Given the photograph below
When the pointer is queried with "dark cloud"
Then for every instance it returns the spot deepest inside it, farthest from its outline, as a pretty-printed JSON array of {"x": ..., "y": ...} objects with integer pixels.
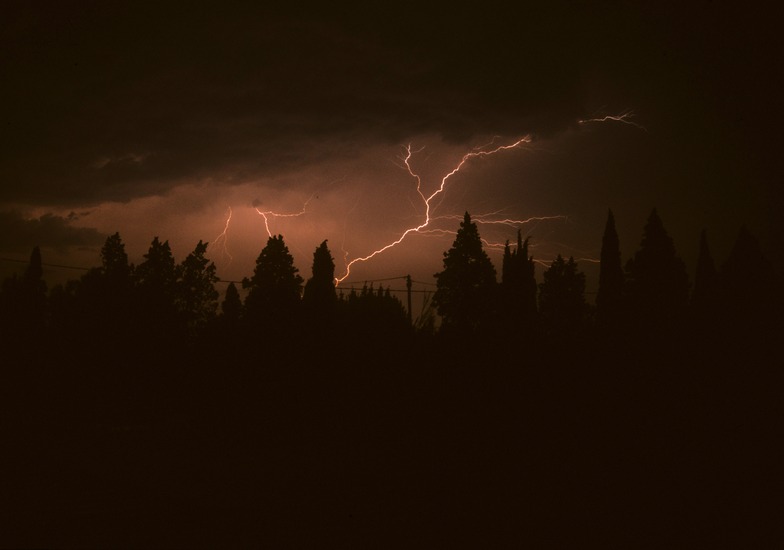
[
  {"x": 116, "y": 102},
  {"x": 111, "y": 102},
  {"x": 18, "y": 235}
]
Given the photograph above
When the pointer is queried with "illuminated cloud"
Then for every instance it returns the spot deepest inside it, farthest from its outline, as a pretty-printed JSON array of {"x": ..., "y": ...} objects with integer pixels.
[
  {"x": 18, "y": 234},
  {"x": 159, "y": 119}
]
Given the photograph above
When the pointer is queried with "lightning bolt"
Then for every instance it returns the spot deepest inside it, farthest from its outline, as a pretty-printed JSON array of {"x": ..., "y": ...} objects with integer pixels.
[
  {"x": 223, "y": 239},
  {"x": 427, "y": 204},
  {"x": 428, "y": 199},
  {"x": 486, "y": 219},
  {"x": 625, "y": 118},
  {"x": 266, "y": 215}
]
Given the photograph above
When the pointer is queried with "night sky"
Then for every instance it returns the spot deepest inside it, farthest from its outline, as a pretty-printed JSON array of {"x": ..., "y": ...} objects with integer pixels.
[{"x": 157, "y": 120}]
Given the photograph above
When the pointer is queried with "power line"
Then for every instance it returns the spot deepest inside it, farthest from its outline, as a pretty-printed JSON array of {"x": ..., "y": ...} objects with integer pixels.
[
  {"x": 387, "y": 279},
  {"x": 349, "y": 285},
  {"x": 374, "y": 280},
  {"x": 354, "y": 289},
  {"x": 78, "y": 268}
]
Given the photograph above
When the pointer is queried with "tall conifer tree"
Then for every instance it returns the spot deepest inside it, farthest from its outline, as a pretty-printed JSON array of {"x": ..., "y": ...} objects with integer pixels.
[
  {"x": 658, "y": 285},
  {"x": 562, "y": 296},
  {"x": 465, "y": 293},
  {"x": 275, "y": 288},
  {"x": 703, "y": 294},
  {"x": 610, "y": 295},
  {"x": 319, "y": 291},
  {"x": 518, "y": 283}
]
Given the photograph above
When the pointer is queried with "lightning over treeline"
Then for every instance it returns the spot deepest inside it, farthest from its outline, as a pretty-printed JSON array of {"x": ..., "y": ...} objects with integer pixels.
[
  {"x": 193, "y": 280},
  {"x": 427, "y": 207},
  {"x": 429, "y": 194},
  {"x": 131, "y": 359},
  {"x": 386, "y": 274}
]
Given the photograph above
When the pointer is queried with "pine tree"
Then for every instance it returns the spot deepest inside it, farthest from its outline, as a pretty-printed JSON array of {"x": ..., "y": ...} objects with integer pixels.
[
  {"x": 156, "y": 274},
  {"x": 562, "y": 296},
  {"x": 658, "y": 285},
  {"x": 319, "y": 294},
  {"x": 274, "y": 289},
  {"x": 518, "y": 284},
  {"x": 748, "y": 290},
  {"x": 609, "y": 298},
  {"x": 465, "y": 293},
  {"x": 114, "y": 260},
  {"x": 508, "y": 268},
  {"x": 34, "y": 271},
  {"x": 231, "y": 308},
  {"x": 375, "y": 315},
  {"x": 23, "y": 301},
  {"x": 106, "y": 303},
  {"x": 155, "y": 287},
  {"x": 33, "y": 315},
  {"x": 197, "y": 299},
  {"x": 527, "y": 277},
  {"x": 704, "y": 294}
]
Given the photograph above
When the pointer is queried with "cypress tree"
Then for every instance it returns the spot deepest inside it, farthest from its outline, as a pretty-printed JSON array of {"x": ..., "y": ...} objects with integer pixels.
[
  {"x": 231, "y": 308},
  {"x": 610, "y": 295},
  {"x": 703, "y": 295},
  {"x": 466, "y": 287},
  {"x": 319, "y": 294},
  {"x": 562, "y": 297},
  {"x": 274, "y": 290},
  {"x": 658, "y": 285},
  {"x": 518, "y": 284}
]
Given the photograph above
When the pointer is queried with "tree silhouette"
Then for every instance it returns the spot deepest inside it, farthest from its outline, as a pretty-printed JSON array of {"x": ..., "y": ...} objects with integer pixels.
[
  {"x": 658, "y": 285},
  {"x": 114, "y": 260},
  {"x": 610, "y": 295},
  {"x": 274, "y": 289},
  {"x": 704, "y": 294},
  {"x": 155, "y": 280},
  {"x": 562, "y": 297},
  {"x": 23, "y": 301},
  {"x": 197, "y": 299},
  {"x": 105, "y": 295},
  {"x": 518, "y": 285},
  {"x": 375, "y": 315},
  {"x": 34, "y": 291},
  {"x": 231, "y": 308},
  {"x": 63, "y": 307},
  {"x": 111, "y": 378},
  {"x": 157, "y": 272},
  {"x": 319, "y": 295},
  {"x": 466, "y": 287},
  {"x": 748, "y": 291}
]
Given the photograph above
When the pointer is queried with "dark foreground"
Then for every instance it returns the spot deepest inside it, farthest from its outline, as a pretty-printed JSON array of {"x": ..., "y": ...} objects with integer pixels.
[{"x": 384, "y": 445}]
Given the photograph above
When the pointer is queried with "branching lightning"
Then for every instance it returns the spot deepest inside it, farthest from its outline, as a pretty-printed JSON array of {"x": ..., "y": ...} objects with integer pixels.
[
  {"x": 486, "y": 219},
  {"x": 223, "y": 239},
  {"x": 273, "y": 214},
  {"x": 427, "y": 200},
  {"x": 625, "y": 118}
]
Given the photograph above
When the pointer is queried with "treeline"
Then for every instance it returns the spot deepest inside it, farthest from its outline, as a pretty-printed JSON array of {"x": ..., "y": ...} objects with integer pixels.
[
  {"x": 156, "y": 332},
  {"x": 137, "y": 405},
  {"x": 649, "y": 297},
  {"x": 165, "y": 302},
  {"x": 161, "y": 299}
]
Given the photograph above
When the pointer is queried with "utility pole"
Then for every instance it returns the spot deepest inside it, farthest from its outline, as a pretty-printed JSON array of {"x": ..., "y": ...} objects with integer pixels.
[{"x": 408, "y": 292}]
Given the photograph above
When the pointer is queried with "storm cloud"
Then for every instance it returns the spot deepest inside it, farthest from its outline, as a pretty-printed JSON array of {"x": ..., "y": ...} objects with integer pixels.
[
  {"x": 19, "y": 234},
  {"x": 127, "y": 104},
  {"x": 112, "y": 103}
]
